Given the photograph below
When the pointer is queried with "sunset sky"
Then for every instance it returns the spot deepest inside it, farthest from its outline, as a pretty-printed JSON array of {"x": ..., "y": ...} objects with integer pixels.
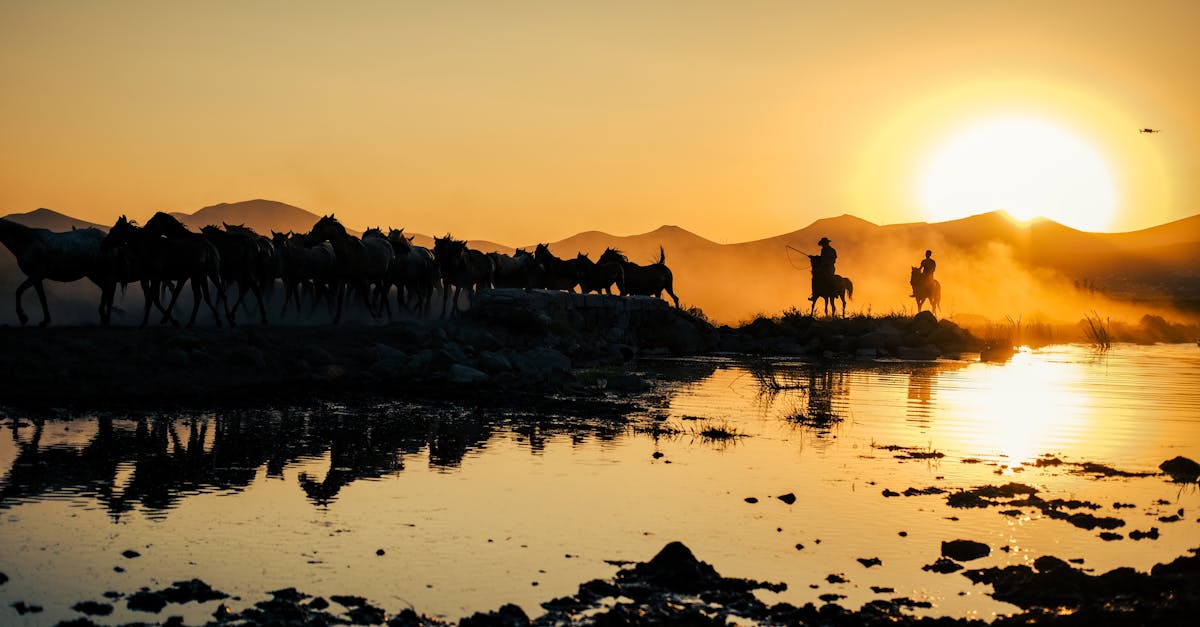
[{"x": 523, "y": 121}]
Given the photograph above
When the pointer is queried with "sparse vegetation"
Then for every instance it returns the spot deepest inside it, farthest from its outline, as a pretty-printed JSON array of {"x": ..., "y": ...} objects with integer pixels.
[
  {"x": 1096, "y": 331},
  {"x": 717, "y": 432}
]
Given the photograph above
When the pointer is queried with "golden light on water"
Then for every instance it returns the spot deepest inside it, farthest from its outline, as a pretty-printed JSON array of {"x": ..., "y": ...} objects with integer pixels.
[
  {"x": 1027, "y": 167},
  {"x": 1022, "y": 409}
]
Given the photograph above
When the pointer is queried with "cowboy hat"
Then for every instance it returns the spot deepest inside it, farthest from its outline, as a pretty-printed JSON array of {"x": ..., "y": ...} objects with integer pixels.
[{"x": 823, "y": 241}]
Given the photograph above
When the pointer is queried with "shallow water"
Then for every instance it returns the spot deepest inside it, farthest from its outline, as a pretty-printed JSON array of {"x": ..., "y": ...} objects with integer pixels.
[{"x": 474, "y": 509}]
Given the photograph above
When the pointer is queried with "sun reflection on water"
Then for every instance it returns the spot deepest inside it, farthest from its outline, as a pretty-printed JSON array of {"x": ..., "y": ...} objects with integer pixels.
[{"x": 1017, "y": 410}]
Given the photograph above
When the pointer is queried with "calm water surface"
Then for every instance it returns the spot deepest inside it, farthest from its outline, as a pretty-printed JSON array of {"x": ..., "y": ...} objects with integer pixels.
[{"x": 474, "y": 509}]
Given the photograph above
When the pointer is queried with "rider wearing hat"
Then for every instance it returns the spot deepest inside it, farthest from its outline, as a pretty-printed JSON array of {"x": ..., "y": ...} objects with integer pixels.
[{"x": 828, "y": 259}]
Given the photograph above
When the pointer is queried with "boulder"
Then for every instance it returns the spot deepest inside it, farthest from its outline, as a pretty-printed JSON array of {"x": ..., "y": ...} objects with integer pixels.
[{"x": 460, "y": 373}]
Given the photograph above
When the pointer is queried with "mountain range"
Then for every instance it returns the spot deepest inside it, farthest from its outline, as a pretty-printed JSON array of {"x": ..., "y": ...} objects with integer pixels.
[{"x": 988, "y": 263}]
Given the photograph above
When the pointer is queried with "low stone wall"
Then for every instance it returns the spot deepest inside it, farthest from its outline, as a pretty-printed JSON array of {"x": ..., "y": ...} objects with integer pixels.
[{"x": 641, "y": 322}]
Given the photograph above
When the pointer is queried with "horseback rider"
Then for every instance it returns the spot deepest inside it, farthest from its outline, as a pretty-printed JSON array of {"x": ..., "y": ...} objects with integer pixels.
[
  {"x": 928, "y": 266},
  {"x": 824, "y": 270}
]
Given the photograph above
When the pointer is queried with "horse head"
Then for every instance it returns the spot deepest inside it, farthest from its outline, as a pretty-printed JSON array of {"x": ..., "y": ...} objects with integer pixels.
[
  {"x": 583, "y": 260},
  {"x": 165, "y": 224},
  {"x": 613, "y": 255},
  {"x": 327, "y": 228},
  {"x": 118, "y": 235},
  {"x": 915, "y": 278}
]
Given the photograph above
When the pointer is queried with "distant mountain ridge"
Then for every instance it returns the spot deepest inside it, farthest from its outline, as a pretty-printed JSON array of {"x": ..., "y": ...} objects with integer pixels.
[{"x": 987, "y": 261}]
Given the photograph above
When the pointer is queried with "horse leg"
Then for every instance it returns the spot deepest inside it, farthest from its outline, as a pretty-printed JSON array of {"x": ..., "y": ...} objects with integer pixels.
[
  {"x": 196, "y": 296},
  {"x": 208, "y": 300},
  {"x": 149, "y": 291},
  {"x": 671, "y": 291},
  {"x": 41, "y": 293},
  {"x": 341, "y": 295},
  {"x": 169, "y": 313},
  {"x": 26, "y": 284},
  {"x": 259, "y": 298}
]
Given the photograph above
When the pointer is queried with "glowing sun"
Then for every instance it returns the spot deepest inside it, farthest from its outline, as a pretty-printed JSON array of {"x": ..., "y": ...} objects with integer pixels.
[{"x": 1027, "y": 167}]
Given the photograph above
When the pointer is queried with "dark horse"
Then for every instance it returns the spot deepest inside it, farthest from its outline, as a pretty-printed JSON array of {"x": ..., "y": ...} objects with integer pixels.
[
  {"x": 829, "y": 288},
  {"x": 415, "y": 273},
  {"x": 241, "y": 264},
  {"x": 352, "y": 261},
  {"x": 70, "y": 256},
  {"x": 649, "y": 280},
  {"x": 925, "y": 289},
  {"x": 597, "y": 277},
  {"x": 461, "y": 268},
  {"x": 556, "y": 274},
  {"x": 162, "y": 260}
]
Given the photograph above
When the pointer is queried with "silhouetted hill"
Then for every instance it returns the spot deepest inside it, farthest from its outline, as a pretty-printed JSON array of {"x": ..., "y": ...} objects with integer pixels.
[
  {"x": 261, "y": 215},
  {"x": 52, "y": 220}
]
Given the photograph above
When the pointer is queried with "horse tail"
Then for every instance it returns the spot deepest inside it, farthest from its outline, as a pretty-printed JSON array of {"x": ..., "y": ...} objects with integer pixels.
[
  {"x": 662, "y": 254},
  {"x": 850, "y": 289}
]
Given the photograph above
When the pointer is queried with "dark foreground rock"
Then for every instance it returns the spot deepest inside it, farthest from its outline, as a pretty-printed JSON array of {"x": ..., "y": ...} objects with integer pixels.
[{"x": 676, "y": 588}]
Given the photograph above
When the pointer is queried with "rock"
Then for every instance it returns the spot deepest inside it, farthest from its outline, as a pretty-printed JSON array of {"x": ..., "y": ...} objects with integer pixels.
[
  {"x": 390, "y": 368},
  {"x": 943, "y": 566},
  {"x": 836, "y": 578},
  {"x": 247, "y": 356},
  {"x": 924, "y": 323},
  {"x": 541, "y": 363},
  {"x": 383, "y": 352},
  {"x": 465, "y": 374},
  {"x": 380, "y": 552},
  {"x": 146, "y": 601},
  {"x": 92, "y": 608},
  {"x": 751, "y": 500},
  {"x": 677, "y": 569},
  {"x": 626, "y": 383},
  {"x": 1181, "y": 469},
  {"x": 492, "y": 362},
  {"x": 316, "y": 356},
  {"x": 22, "y": 608},
  {"x": 1152, "y": 534},
  {"x": 890, "y": 493},
  {"x": 868, "y": 562},
  {"x": 1109, "y": 536},
  {"x": 3, "y": 579},
  {"x": 965, "y": 550},
  {"x": 508, "y": 615},
  {"x": 130, "y": 554},
  {"x": 788, "y": 498},
  {"x": 924, "y": 352}
]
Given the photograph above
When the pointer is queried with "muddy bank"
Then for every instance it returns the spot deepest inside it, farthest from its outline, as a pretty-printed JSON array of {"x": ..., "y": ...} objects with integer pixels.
[
  {"x": 676, "y": 588},
  {"x": 525, "y": 343}
]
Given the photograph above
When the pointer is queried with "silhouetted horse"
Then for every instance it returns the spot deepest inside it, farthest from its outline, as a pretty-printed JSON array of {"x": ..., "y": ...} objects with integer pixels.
[
  {"x": 353, "y": 262},
  {"x": 515, "y": 270},
  {"x": 462, "y": 268},
  {"x": 381, "y": 257},
  {"x": 266, "y": 260},
  {"x": 598, "y": 277},
  {"x": 45, "y": 255},
  {"x": 301, "y": 267},
  {"x": 239, "y": 264},
  {"x": 556, "y": 274},
  {"x": 415, "y": 273},
  {"x": 829, "y": 288},
  {"x": 649, "y": 280},
  {"x": 163, "y": 259},
  {"x": 925, "y": 289}
]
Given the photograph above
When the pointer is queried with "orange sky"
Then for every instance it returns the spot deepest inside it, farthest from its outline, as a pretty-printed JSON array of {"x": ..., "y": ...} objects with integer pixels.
[{"x": 523, "y": 121}]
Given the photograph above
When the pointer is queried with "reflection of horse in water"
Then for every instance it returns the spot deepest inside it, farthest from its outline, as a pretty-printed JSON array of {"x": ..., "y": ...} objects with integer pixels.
[
  {"x": 829, "y": 287},
  {"x": 924, "y": 289}
]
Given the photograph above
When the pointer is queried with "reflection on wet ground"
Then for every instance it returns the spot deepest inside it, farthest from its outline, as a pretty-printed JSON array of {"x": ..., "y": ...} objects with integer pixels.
[{"x": 836, "y": 479}]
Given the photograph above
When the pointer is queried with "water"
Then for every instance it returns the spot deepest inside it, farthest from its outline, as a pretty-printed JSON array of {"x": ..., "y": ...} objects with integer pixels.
[{"x": 473, "y": 509}]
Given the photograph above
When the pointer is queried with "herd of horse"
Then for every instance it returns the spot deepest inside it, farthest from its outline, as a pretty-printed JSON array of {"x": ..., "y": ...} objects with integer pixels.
[{"x": 327, "y": 265}]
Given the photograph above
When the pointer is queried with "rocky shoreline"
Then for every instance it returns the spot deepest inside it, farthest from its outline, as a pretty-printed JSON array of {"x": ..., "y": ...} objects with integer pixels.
[
  {"x": 676, "y": 588},
  {"x": 524, "y": 342}
]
